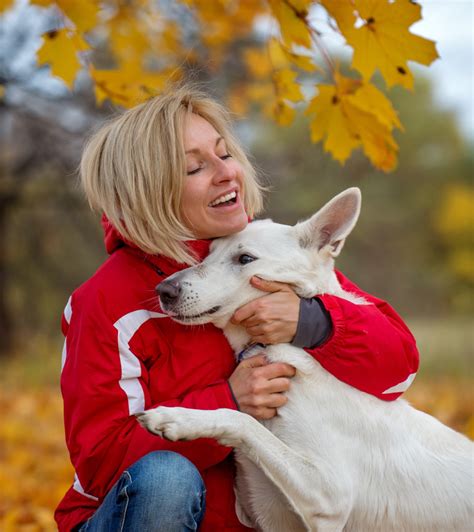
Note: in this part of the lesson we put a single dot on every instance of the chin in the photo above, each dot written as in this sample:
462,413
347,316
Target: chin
234,228
216,229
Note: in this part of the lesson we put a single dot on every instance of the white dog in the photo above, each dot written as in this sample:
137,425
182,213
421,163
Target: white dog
334,458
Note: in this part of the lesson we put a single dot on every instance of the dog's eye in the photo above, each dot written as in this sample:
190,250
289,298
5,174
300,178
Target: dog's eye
245,259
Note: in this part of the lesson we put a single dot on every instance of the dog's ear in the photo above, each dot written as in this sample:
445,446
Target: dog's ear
331,225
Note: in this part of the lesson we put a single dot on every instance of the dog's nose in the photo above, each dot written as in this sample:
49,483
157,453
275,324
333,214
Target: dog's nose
168,291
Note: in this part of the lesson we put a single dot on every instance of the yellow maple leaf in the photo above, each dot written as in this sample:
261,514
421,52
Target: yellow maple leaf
369,99
383,40
6,4
301,6
43,3
59,50
350,114
330,124
273,97
170,37
260,91
292,21
129,87
282,57
82,14
342,12
283,113
377,141
258,62
224,21
128,37
286,86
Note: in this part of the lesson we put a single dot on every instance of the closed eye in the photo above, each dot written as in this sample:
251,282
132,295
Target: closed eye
199,168
195,171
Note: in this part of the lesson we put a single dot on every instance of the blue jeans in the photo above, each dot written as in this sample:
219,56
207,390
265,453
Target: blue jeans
163,491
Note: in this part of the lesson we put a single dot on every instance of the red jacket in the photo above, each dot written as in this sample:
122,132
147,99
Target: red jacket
122,355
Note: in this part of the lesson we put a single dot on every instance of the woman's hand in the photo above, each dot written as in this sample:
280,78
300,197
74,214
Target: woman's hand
272,318
259,386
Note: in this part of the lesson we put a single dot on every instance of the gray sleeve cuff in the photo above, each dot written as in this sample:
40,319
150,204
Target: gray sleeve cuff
314,324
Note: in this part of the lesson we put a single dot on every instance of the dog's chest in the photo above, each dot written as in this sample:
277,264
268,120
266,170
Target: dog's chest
310,403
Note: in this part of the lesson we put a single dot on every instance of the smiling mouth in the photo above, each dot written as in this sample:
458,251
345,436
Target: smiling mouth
181,317
225,200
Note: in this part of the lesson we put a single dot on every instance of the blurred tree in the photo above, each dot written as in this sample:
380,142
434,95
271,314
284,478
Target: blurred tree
455,224
41,142
41,131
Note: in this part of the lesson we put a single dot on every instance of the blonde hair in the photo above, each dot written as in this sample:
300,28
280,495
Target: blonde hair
133,168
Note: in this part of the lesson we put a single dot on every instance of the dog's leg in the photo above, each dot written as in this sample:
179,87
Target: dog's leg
259,498
313,489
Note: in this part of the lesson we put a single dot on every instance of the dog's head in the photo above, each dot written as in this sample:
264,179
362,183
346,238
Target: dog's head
301,255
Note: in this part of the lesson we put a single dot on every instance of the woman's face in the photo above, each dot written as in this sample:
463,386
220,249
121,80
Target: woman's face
211,204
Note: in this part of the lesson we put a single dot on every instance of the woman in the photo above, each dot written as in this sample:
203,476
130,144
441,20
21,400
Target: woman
169,176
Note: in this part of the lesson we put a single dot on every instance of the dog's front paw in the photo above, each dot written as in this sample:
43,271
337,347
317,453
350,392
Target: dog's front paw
169,423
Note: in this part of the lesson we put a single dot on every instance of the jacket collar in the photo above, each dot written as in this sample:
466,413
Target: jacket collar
114,240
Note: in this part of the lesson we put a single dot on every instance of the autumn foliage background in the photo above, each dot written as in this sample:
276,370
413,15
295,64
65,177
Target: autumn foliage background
316,117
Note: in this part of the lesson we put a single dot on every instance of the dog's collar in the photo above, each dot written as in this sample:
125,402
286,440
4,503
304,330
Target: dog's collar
247,349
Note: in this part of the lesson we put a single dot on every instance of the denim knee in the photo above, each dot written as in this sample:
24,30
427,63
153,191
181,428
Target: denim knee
166,472
168,489
163,491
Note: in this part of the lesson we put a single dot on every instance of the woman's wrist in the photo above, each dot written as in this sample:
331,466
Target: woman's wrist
314,324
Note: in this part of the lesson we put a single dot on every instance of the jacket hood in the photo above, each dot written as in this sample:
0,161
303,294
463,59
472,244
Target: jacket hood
114,240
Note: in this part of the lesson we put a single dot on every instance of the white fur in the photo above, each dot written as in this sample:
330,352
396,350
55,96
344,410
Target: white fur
334,458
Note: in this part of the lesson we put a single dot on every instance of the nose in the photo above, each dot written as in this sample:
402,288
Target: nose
224,170
168,291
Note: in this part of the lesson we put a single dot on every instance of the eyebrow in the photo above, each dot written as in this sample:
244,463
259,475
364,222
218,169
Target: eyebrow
197,150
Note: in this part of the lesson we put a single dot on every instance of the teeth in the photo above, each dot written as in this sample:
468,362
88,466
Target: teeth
223,199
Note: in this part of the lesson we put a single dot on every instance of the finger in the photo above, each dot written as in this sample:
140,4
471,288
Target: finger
278,400
243,313
251,322
274,400
268,286
278,385
257,330
255,361
271,338
261,339
267,338
262,413
276,370
259,310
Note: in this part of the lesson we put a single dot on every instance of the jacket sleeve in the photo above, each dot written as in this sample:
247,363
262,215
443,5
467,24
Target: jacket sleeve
102,434
370,347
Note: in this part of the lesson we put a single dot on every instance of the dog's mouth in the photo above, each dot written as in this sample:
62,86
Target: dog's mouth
187,318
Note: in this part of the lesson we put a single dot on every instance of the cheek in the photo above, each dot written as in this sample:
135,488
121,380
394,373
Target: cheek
191,199
239,172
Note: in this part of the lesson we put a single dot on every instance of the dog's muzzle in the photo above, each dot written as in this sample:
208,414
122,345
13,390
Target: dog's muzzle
169,292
